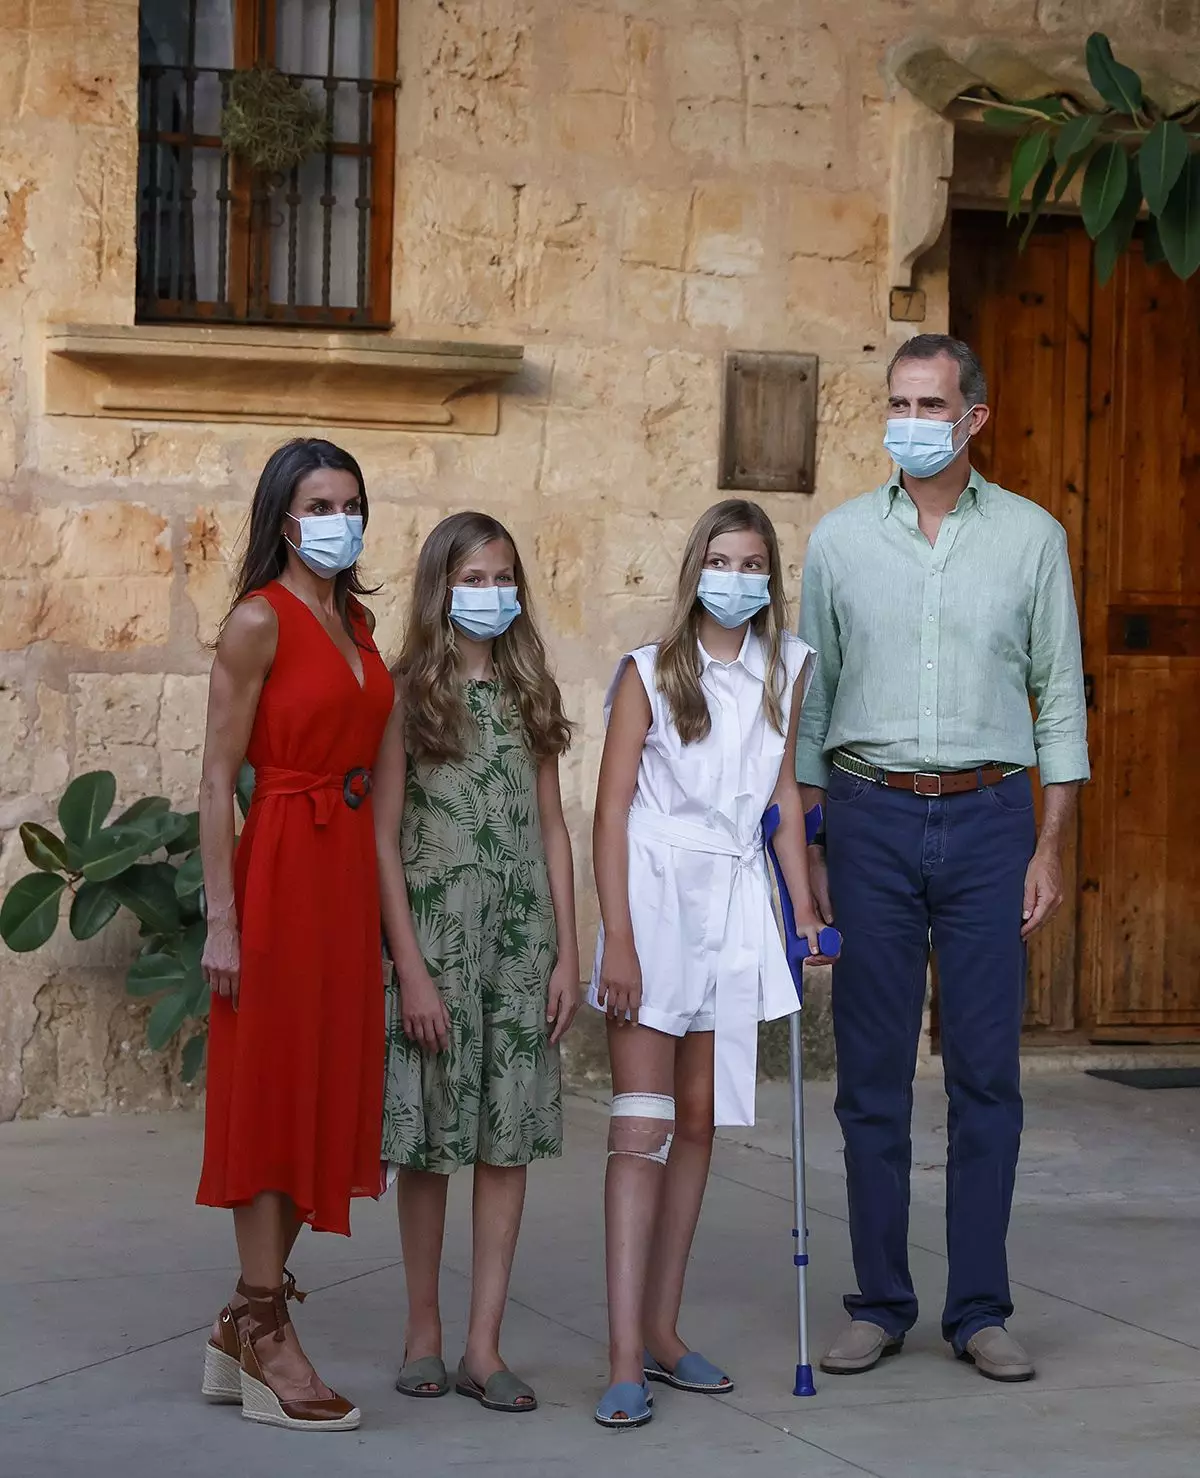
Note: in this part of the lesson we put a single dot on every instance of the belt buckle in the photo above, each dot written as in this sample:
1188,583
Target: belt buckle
934,779
361,778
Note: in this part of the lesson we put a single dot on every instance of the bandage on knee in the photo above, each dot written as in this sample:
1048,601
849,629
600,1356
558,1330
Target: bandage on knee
642,1125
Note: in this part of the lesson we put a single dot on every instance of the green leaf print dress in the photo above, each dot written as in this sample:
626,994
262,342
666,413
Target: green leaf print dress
471,842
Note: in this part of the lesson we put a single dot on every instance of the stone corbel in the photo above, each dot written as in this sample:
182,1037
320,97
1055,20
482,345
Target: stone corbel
190,373
922,162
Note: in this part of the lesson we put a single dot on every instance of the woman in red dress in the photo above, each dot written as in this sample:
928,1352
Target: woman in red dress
296,1033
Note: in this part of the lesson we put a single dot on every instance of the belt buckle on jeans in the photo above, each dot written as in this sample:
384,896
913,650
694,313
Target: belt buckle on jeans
934,780
356,787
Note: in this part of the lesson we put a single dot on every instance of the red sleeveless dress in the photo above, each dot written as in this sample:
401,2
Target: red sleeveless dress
295,1075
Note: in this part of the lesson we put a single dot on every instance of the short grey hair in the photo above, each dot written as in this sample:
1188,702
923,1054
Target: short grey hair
971,379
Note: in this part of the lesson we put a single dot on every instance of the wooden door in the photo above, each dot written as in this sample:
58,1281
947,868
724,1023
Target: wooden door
1141,832
1095,396
1027,317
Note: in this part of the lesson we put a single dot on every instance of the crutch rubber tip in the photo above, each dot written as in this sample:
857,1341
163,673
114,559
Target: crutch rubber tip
804,1381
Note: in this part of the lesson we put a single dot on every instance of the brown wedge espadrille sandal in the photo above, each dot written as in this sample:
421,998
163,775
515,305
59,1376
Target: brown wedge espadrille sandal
268,1319
222,1383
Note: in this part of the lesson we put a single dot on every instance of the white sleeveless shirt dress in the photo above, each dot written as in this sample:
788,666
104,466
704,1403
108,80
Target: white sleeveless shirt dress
699,890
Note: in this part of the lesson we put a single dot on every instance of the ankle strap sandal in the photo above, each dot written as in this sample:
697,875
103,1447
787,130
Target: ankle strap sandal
223,1351
269,1316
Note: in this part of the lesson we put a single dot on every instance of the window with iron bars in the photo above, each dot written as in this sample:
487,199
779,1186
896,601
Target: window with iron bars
221,241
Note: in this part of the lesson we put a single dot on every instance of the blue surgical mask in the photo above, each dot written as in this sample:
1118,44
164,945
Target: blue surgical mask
484,612
922,448
329,542
733,598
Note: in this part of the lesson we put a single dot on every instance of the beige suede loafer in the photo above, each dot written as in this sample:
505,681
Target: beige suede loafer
860,1346
995,1353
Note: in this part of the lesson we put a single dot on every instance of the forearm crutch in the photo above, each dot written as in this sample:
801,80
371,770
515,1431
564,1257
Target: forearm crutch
797,950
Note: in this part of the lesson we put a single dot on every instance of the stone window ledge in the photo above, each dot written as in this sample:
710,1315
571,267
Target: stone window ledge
190,373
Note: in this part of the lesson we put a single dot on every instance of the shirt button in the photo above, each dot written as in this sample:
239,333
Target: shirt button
931,615
929,666
929,759
928,711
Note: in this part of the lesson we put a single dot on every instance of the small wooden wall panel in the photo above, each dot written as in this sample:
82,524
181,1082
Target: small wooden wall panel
769,423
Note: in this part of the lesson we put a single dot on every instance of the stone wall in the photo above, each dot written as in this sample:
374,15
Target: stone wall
627,188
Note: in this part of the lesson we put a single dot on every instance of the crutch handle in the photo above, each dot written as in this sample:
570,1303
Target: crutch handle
829,942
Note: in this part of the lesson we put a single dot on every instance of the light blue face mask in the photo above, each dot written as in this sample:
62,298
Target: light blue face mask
922,448
733,598
484,612
329,542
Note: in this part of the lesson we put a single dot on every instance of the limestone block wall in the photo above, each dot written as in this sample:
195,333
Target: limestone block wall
627,188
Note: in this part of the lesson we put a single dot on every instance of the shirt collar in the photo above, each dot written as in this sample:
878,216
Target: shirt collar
751,656
977,491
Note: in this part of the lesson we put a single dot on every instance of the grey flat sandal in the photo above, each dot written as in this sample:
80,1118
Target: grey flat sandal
502,1391
417,1374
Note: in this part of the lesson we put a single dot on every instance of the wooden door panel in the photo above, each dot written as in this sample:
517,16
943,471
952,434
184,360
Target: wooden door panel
1141,837
1026,314
1149,526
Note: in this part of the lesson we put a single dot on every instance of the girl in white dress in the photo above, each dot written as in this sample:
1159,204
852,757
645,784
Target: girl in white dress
701,741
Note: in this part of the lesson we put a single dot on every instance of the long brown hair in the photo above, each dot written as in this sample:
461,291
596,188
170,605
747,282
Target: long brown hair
436,712
678,664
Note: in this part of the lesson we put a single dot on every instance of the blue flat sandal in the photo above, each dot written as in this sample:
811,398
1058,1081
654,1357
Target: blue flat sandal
692,1373
627,1396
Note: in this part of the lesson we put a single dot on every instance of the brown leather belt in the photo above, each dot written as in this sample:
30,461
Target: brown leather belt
929,783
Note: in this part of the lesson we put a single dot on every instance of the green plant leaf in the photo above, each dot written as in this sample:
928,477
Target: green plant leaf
1028,158
191,947
1118,85
161,828
29,914
1041,188
43,848
189,878
1117,235
107,854
188,838
85,803
1152,247
199,991
193,1057
154,972
149,805
164,828
1161,160
94,905
1068,174
147,890
166,1017
1103,187
1077,137
245,788
1179,223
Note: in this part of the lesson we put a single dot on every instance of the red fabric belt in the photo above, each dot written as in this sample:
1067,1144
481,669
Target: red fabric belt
352,788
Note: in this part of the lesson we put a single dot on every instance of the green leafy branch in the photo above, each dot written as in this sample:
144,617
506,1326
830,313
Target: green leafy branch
147,861
1130,154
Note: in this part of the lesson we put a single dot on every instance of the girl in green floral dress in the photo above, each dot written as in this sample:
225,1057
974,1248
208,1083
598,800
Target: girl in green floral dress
479,912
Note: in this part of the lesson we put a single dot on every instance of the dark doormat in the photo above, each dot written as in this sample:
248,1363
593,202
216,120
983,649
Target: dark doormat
1149,1077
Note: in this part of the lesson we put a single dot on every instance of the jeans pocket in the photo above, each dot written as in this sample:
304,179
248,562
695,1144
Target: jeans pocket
844,789
1013,796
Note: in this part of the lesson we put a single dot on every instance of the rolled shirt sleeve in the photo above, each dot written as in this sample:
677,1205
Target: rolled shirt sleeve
1056,672
818,627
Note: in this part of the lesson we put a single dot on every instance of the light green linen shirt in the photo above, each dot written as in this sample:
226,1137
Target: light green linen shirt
927,656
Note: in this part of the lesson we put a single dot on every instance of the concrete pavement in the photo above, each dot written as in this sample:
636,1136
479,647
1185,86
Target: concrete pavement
109,1276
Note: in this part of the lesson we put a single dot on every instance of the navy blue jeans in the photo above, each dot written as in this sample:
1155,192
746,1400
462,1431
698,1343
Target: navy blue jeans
904,869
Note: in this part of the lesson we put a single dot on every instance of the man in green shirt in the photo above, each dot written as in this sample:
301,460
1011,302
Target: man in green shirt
939,605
